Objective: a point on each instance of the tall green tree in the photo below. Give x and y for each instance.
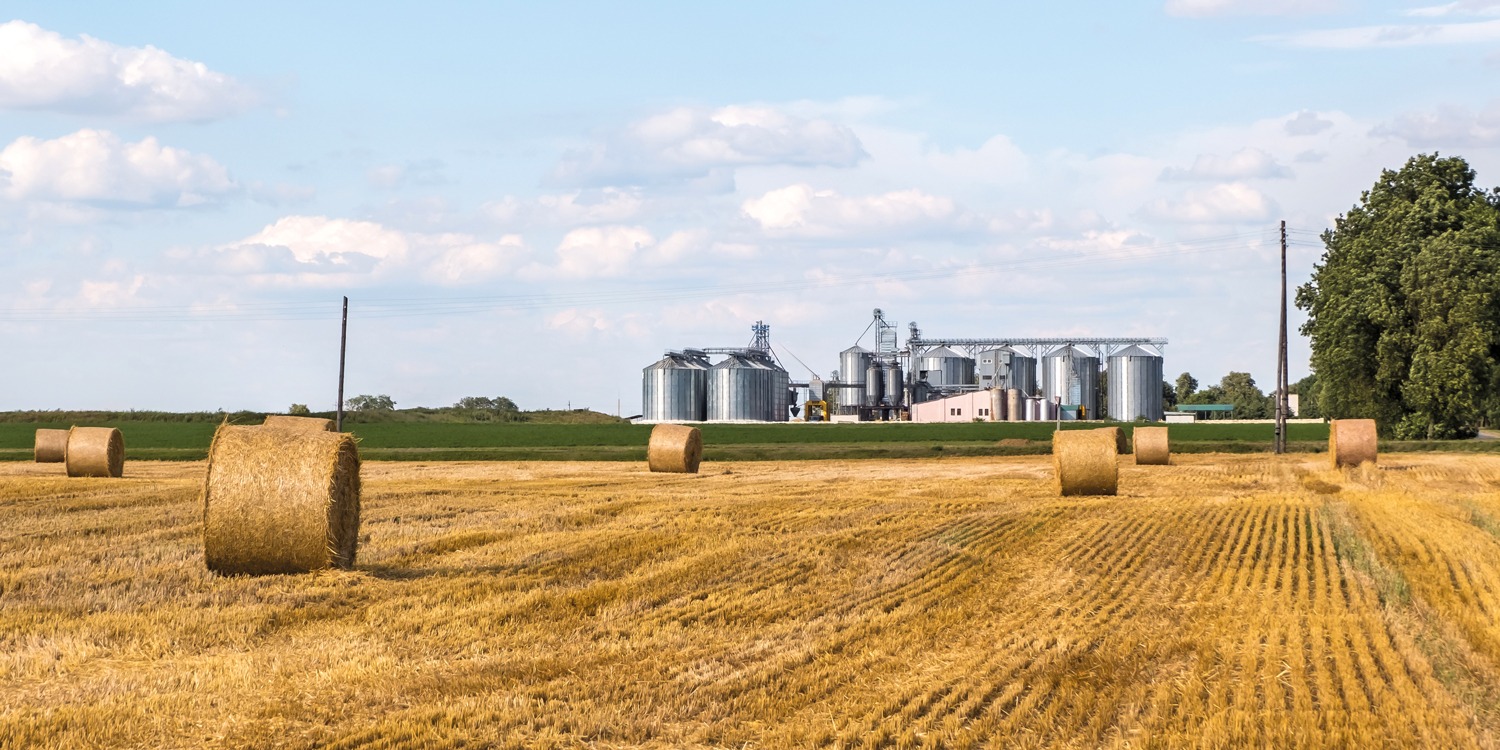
(1187, 385)
(1403, 311)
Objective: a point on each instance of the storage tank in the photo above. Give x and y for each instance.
(1006, 368)
(1069, 373)
(874, 384)
(1135, 379)
(781, 396)
(945, 367)
(853, 362)
(739, 388)
(675, 389)
(895, 385)
(1015, 405)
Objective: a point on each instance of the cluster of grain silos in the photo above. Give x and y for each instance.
(1064, 384)
(747, 385)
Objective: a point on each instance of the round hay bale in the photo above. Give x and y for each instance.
(675, 448)
(51, 446)
(1084, 461)
(1152, 448)
(1352, 442)
(280, 501)
(303, 424)
(1122, 445)
(95, 452)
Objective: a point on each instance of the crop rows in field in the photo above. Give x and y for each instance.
(1220, 602)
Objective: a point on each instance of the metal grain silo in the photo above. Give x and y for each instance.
(1022, 374)
(738, 390)
(1074, 376)
(781, 397)
(895, 385)
(945, 367)
(874, 384)
(1135, 385)
(675, 389)
(853, 362)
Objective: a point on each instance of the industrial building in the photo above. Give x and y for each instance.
(927, 379)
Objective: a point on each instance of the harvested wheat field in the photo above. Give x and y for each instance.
(1224, 601)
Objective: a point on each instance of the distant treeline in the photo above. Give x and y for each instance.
(445, 414)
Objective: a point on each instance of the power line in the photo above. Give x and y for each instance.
(376, 307)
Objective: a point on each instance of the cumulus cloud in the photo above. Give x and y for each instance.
(695, 144)
(1230, 203)
(799, 210)
(601, 251)
(1307, 123)
(318, 250)
(1447, 127)
(42, 70)
(1205, 8)
(97, 167)
(1394, 35)
(1247, 163)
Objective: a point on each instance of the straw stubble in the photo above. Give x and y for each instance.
(280, 501)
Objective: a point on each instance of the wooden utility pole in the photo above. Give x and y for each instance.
(1281, 369)
(338, 423)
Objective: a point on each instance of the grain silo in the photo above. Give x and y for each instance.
(945, 368)
(1135, 384)
(1072, 376)
(675, 389)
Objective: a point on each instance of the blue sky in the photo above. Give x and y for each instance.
(536, 200)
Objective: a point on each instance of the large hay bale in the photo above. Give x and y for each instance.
(95, 452)
(675, 448)
(1085, 462)
(51, 446)
(303, 424)
(1152, 448)
(1122, 445)
(1352, 442)
(280, 501)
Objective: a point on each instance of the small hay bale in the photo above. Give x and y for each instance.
(1352, 442)
(1085, 462)
(95, 452)
(1122, 445)
(51, 446)
(301, 424)
(280, 501)
(675, 448)
(1152, 448)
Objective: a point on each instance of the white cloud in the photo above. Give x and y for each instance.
(606, 206)
(799, 210)
(1307, 123)
(424, 173)
(1247, 163)
(601, 251)
(42, 70)
(1388, 36)
(317, 250)
(1230, 203)
(1205, 8)
(696, 144)
(97, 167)
(1448, 127)
(1462, 7)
